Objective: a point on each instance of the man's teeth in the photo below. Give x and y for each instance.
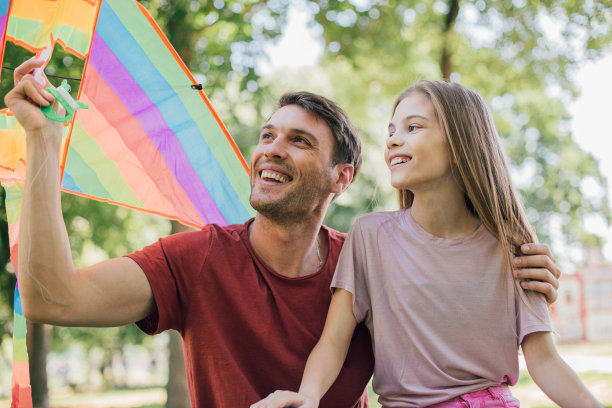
(272, 175)
(397, 160)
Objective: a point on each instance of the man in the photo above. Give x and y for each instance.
(249, 300)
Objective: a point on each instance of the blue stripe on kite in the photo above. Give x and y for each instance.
(17, 302)
(161, 93)
(4, 6)
(68, 183)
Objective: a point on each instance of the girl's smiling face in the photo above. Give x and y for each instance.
(417, 151)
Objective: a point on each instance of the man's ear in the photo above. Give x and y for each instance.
(342, 177)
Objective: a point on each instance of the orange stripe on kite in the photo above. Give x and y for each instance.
(196, 225)
(52, 14)
(112, 144)
(117, 114)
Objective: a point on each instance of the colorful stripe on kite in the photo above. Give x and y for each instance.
(13, 152)
(69, 22)
(150, 141)
(4, 9)
(20, 381)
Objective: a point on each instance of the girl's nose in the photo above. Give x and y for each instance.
(394, 140)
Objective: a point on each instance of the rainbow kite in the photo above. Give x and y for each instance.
(149, 140)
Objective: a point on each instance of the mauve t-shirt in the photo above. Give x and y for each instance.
(443, 314)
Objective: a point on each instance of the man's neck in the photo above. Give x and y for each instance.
(290, 250)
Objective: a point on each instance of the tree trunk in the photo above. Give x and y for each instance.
(446, 66)
(38, 342)
(176, 389)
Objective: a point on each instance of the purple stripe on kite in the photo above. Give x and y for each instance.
(138, 103)
(2, 28)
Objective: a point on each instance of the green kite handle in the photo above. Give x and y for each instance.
(61, 94)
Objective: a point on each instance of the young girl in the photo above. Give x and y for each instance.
(433, 281)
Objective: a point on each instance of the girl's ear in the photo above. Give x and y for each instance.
(342, 177)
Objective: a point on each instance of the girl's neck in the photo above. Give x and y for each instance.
(444, 215)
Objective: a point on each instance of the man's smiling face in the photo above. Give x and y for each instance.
(291, 167)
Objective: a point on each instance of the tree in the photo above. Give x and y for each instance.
(177, 391)
(519, 56)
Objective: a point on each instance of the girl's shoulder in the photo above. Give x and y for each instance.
(382, 219)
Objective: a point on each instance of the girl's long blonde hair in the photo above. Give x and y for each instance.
(477, 162)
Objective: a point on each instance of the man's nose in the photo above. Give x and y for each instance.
(277, 149)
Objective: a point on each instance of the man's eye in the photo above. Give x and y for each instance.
(266, 136)
(301, 140)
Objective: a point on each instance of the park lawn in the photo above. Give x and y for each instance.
(600, 384)
(525, 390)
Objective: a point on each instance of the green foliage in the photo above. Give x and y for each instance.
(62, 64)
(520, 59)
(7, 278)
(98, 231)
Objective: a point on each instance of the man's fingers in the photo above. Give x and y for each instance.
(541, 249)
(282, 399)
(537, 261)
(26, 68)
(546, 288)
(538, 274)
(36, 93)
(30, 90)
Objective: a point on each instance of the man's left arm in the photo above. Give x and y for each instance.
(537, 270)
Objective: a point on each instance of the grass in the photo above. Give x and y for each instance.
(600, 384)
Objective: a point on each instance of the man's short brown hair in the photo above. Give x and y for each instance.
(347, 146)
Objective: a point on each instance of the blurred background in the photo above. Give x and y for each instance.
(543, 67)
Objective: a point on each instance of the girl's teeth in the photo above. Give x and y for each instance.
(397, 160)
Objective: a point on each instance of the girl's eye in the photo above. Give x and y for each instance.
(266, 136)
(412, 128)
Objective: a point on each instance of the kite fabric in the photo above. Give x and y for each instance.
(4, 6)
(149, 141)
(20, 382)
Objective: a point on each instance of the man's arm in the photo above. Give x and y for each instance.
(537, 270)
(113, 292)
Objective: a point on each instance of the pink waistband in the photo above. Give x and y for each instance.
(461, 400)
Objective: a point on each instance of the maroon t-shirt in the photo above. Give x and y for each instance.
(247, 330)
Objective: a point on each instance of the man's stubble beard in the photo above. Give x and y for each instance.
(298, 204)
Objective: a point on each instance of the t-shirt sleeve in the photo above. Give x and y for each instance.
(533, 313)
(164, 264)
(350, 272)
